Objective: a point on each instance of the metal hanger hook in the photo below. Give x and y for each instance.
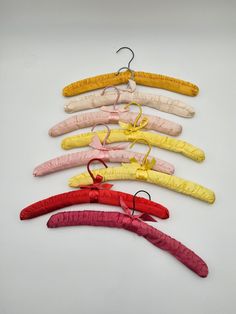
(130, 51)
(118, 94)
(131, 71)
(135, 197)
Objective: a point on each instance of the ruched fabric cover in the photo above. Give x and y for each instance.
(134, 171)
(127, 222)
(141, 78)
(161, 103)
(102, 196)
(89, 119)
(82, 158)
(117, 135)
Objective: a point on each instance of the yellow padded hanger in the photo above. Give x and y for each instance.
(132, 132)
(143, 172)
(141, 78)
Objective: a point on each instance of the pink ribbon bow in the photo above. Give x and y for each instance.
(143, 216)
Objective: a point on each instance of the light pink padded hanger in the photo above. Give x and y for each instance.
(114, 115)
(161, 103)
(109, 153)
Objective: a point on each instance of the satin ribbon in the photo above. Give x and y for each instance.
(113, 113)
(141, 169)
(130, 128)
(96, 143)
(131, 86)
(143, 216)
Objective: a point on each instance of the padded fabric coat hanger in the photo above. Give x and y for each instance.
(141, 78)
(97, 192)
(142, 172)
(161, 103)
(134, 224)
(103, 151)
(130, 133)
(114, 116)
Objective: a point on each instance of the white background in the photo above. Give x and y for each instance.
(44, 46)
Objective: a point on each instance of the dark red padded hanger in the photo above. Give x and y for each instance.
(134, 224)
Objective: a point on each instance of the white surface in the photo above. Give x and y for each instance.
(46, 45)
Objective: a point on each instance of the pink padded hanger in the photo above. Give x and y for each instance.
(161, 103)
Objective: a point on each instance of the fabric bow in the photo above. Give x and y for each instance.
(142, 169)
(143, 216)
(130, 128)
(147, 165)
(97, 184)
(96, 144)
(131, 86)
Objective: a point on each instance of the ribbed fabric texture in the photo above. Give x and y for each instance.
(158, 102)
(108, 197)
(117, 135)
(119, 220)
(141, 78)
(85, 120)
(82, 158)
(134, 171)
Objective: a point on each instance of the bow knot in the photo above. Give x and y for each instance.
(147, 165)
(131, 128)
(142, 169)
(143, 216)
(97, 184)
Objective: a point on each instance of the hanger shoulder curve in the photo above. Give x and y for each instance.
(86, 120)
(111, 197)
(67, 161)
(77, 159)
(118, 135)
(126, 172)
(132, 224)
(141, 78)
(158, 102)
(95, 82)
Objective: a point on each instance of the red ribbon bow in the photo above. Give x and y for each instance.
(97, 185)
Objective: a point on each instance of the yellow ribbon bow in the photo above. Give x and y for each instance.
(142, 169)
(130, 128)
